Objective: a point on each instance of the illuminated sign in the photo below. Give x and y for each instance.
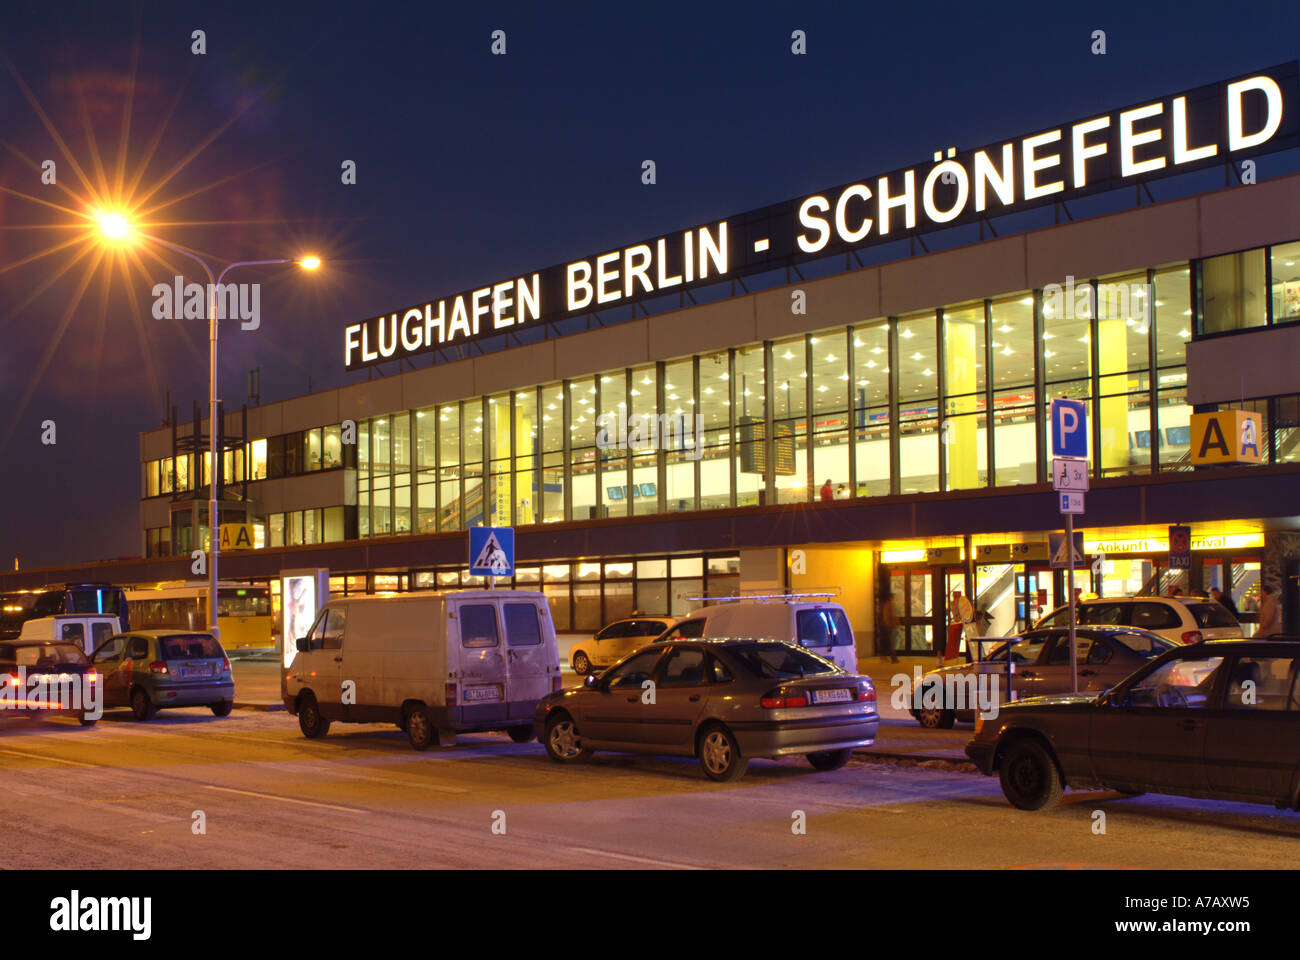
(302, 594)
(1221, 122)
(1227, 436)
(237, 536)
(1221, 541)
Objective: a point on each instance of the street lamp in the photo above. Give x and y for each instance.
(117, 228)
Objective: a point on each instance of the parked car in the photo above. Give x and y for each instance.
(820, 626)
(1040, 662)
(148, 670)
(724, 701)
(433, 663)
(615, 641)
(1217, 719)
(44, 678)
(86, 630)
(1180, 619)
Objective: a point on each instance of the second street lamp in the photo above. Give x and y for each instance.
(117, 228)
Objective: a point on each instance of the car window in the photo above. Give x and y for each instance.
(1155, 616)
(843, 636)
(1061, 649)
(690, 630)
(99, 632)
(1261, 683)
(523, 627)
(1183, 683)
(717, 671)
(1211, 615)
(1023, 650)
(685, 668)
(612, 631)
(73, 633)
(316, 635)
(1103, 614)
(189, 647)
(139, 648)
(48, 655)
(478, 625)
(780, 660)
(110, 650)
(646, 628)
(1145, 645)
(634, 671)
(331, 632)
(814, 628)
(1058, 618)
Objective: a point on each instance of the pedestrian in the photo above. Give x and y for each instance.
(889, 626)
(1175, 591)
(1225, 600)
(1270, 612)
(826, 492)
(960, 614)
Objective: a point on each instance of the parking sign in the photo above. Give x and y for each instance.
(1069, 428)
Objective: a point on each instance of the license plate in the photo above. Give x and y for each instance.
(831, 696)
(197, 671)
(479, 694)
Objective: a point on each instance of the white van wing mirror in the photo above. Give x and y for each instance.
(303, 645)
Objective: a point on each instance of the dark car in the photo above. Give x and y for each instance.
(150, 669)
(1217, 719)
(48, 678)
(1040, 665)
(724, 701)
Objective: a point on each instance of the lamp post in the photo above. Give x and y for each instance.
(115, 227)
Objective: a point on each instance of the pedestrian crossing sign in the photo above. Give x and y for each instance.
(492, 551)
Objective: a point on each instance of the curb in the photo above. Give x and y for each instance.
(266, 707)
(962, 762)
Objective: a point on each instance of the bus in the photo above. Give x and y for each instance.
(19, 606)
(243, 612)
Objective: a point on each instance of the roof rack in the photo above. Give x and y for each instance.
(736, 598)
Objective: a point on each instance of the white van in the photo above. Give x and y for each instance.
(433, 663)
(86, 630)
(820, 626)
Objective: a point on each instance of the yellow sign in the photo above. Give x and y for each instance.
(1217, 541)
(1227, 436)
(237, 536)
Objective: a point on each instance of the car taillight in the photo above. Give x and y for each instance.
(157, 667)
(867, 692)
(225, 665)
(92, 677)
(451, 694)
(781, 698)
(10, 678)
(1191, 636)
(556, 684)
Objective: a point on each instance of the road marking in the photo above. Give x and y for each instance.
(271, 796)
(624, 856)
(41, 756)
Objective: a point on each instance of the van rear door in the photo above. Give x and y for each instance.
(825, 632)
(482, 694)
(528, 677)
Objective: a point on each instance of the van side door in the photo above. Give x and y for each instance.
(528, 677)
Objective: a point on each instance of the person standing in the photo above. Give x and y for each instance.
(826, 492)
(1225, 600)
(960, 613)
(889, 626)
(1270, 612)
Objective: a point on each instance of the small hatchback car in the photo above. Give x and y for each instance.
(724, 701)
(150, 669)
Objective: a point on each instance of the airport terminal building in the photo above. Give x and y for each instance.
(754, 404)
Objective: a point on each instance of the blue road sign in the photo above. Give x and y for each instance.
(1058, 552)
(1180, 548)
(492, 551)
(1069, 428)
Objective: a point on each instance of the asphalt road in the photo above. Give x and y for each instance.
(128, 793)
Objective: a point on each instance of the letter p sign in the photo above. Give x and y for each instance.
(1069, 428)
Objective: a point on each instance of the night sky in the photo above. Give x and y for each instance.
(470, 168)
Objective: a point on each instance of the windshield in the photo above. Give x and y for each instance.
(1212, 615)
(1023, 650)
(780, 660)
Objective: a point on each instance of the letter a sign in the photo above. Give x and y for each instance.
(1227, 436)
(492, 551)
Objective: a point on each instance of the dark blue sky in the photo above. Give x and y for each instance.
(470, 167)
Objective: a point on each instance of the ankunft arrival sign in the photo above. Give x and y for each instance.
(1222, 122)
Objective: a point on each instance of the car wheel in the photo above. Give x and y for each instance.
(522, 734)
(563, 742)
(581, 664)
(221, 708)
(140, 705)
(829, 759)
(934, 718)
(720, 754)
(85, 721)
(313, 725)
(1030, 780)
(420, 729)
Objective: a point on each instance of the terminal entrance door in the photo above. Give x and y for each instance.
(913, 589)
